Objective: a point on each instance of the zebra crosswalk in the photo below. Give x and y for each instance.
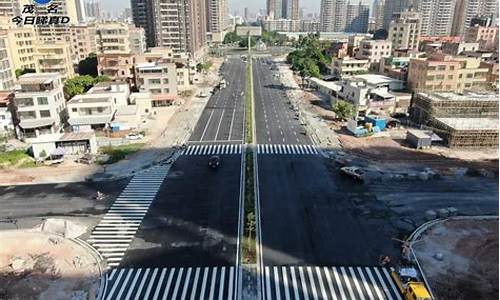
(114, 233)
(325, 283)
(287, 149)
(213, 149)
(188, 283)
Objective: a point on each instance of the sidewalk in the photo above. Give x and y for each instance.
(173, 127)
(311, 114)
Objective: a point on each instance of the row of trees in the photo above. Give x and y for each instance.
(309, 59)
(271, 38)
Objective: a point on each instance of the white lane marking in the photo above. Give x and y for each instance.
(221, 286)
(268, 284)
(339, 283)
(365, 283)
(304, 286)
(230, 289)
(115, 284)
(204, 284)
(186, 284)
(330, 284)
(277, 283)
(321, 285)
(285, 283)
(150, 285)
(124, 284)
(132, 285)
(212, 284)
(311, 280)
(177, 283)
(356, 283)
(294, 283)
(169, 282)
(141, 285)
(195, 283)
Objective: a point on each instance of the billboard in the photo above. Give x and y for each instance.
(252, 30)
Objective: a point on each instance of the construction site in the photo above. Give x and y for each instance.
(465, 120)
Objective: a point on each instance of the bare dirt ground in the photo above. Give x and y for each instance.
(389, 150)
(41, 265)
(469, 266)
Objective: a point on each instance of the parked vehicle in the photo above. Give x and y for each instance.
(202, 95)
(135, 136)
(353, 172)
(409, 284)
(214, 162)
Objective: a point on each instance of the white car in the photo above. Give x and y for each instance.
(354, 172)
(135, 136)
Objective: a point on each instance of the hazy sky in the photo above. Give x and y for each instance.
(253, 5)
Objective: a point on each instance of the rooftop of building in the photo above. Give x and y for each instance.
(465, 96)
(90, 98)
(38, 78)
(470, 123)
(376, 79)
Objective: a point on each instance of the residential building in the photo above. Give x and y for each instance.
(467, 119)
(12, 8)
(372, 93)
(348, 67)
(395, 67)
(117, 66)
(459, 48)
(404, 31)
(492, 76)
(436, 16)
(442, 72)
(378, 14)
(286, 25)
(158, 77)
(487, 37)
(181, 25)
(93, 9)
(337, 49)
(290, 9)
(82, 42)
(217, 18)
(466, 10)
(54, 57)
(357, 18)
(333, 15)
(53, 32)
(7, 71)
(21, 41)
(392, 7)
(141, 15)
(91, 112)
(373, 51)
(274, 9)
(40, 105)
(6, 122)
(137, 40)
(353, 42)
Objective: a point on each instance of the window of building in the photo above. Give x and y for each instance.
(439, 77)
(441, 68)
(74, 109)
(470, 75)
(27, 115)
(450, 76)
(430, 78)
(45, 114)
(23, 102)
(42, 100)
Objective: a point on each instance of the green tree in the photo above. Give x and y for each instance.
(343, 109)
(204, 66)
(244, 42)
(81, 84)
(231, 37)
(21, 72)
(88, 66)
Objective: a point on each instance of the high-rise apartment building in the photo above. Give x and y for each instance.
(274, 9)
(404, 32)
(142, 13)
(436, 16)
(12, 8)
(217, 18)
(357, 18)
(93, 9)
(392, 7)
(7, 74)
(22, 42)
(54, 57)
(378, 13)
(290, 9)
(466, 10)
(181, 25)
(340, 15)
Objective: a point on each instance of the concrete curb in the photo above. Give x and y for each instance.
(103, 285)
(416, 234)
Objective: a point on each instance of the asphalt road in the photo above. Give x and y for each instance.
(276, 120)
(223, 117)
(27, 206)
(311, 215)
(194, 218)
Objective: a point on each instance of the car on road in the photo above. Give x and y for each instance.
(353, 172)
(214, 162)
(202, 95)
(135, 136)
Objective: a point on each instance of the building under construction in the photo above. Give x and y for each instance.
(466, 120)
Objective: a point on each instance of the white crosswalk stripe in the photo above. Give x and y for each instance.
(186, 283)
(287, 149)
(213, 149)
(325, 283)
(114, 233)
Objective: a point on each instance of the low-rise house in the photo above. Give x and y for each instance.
(487, 37)
(348, 67)
(6, 122)
(156, 77)
(441, 72)
(40, 105)
(71, 143)
(374, 51)
(459, 48)
(148, 104)
(369, 93)
(492, 77)
(91, 112)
